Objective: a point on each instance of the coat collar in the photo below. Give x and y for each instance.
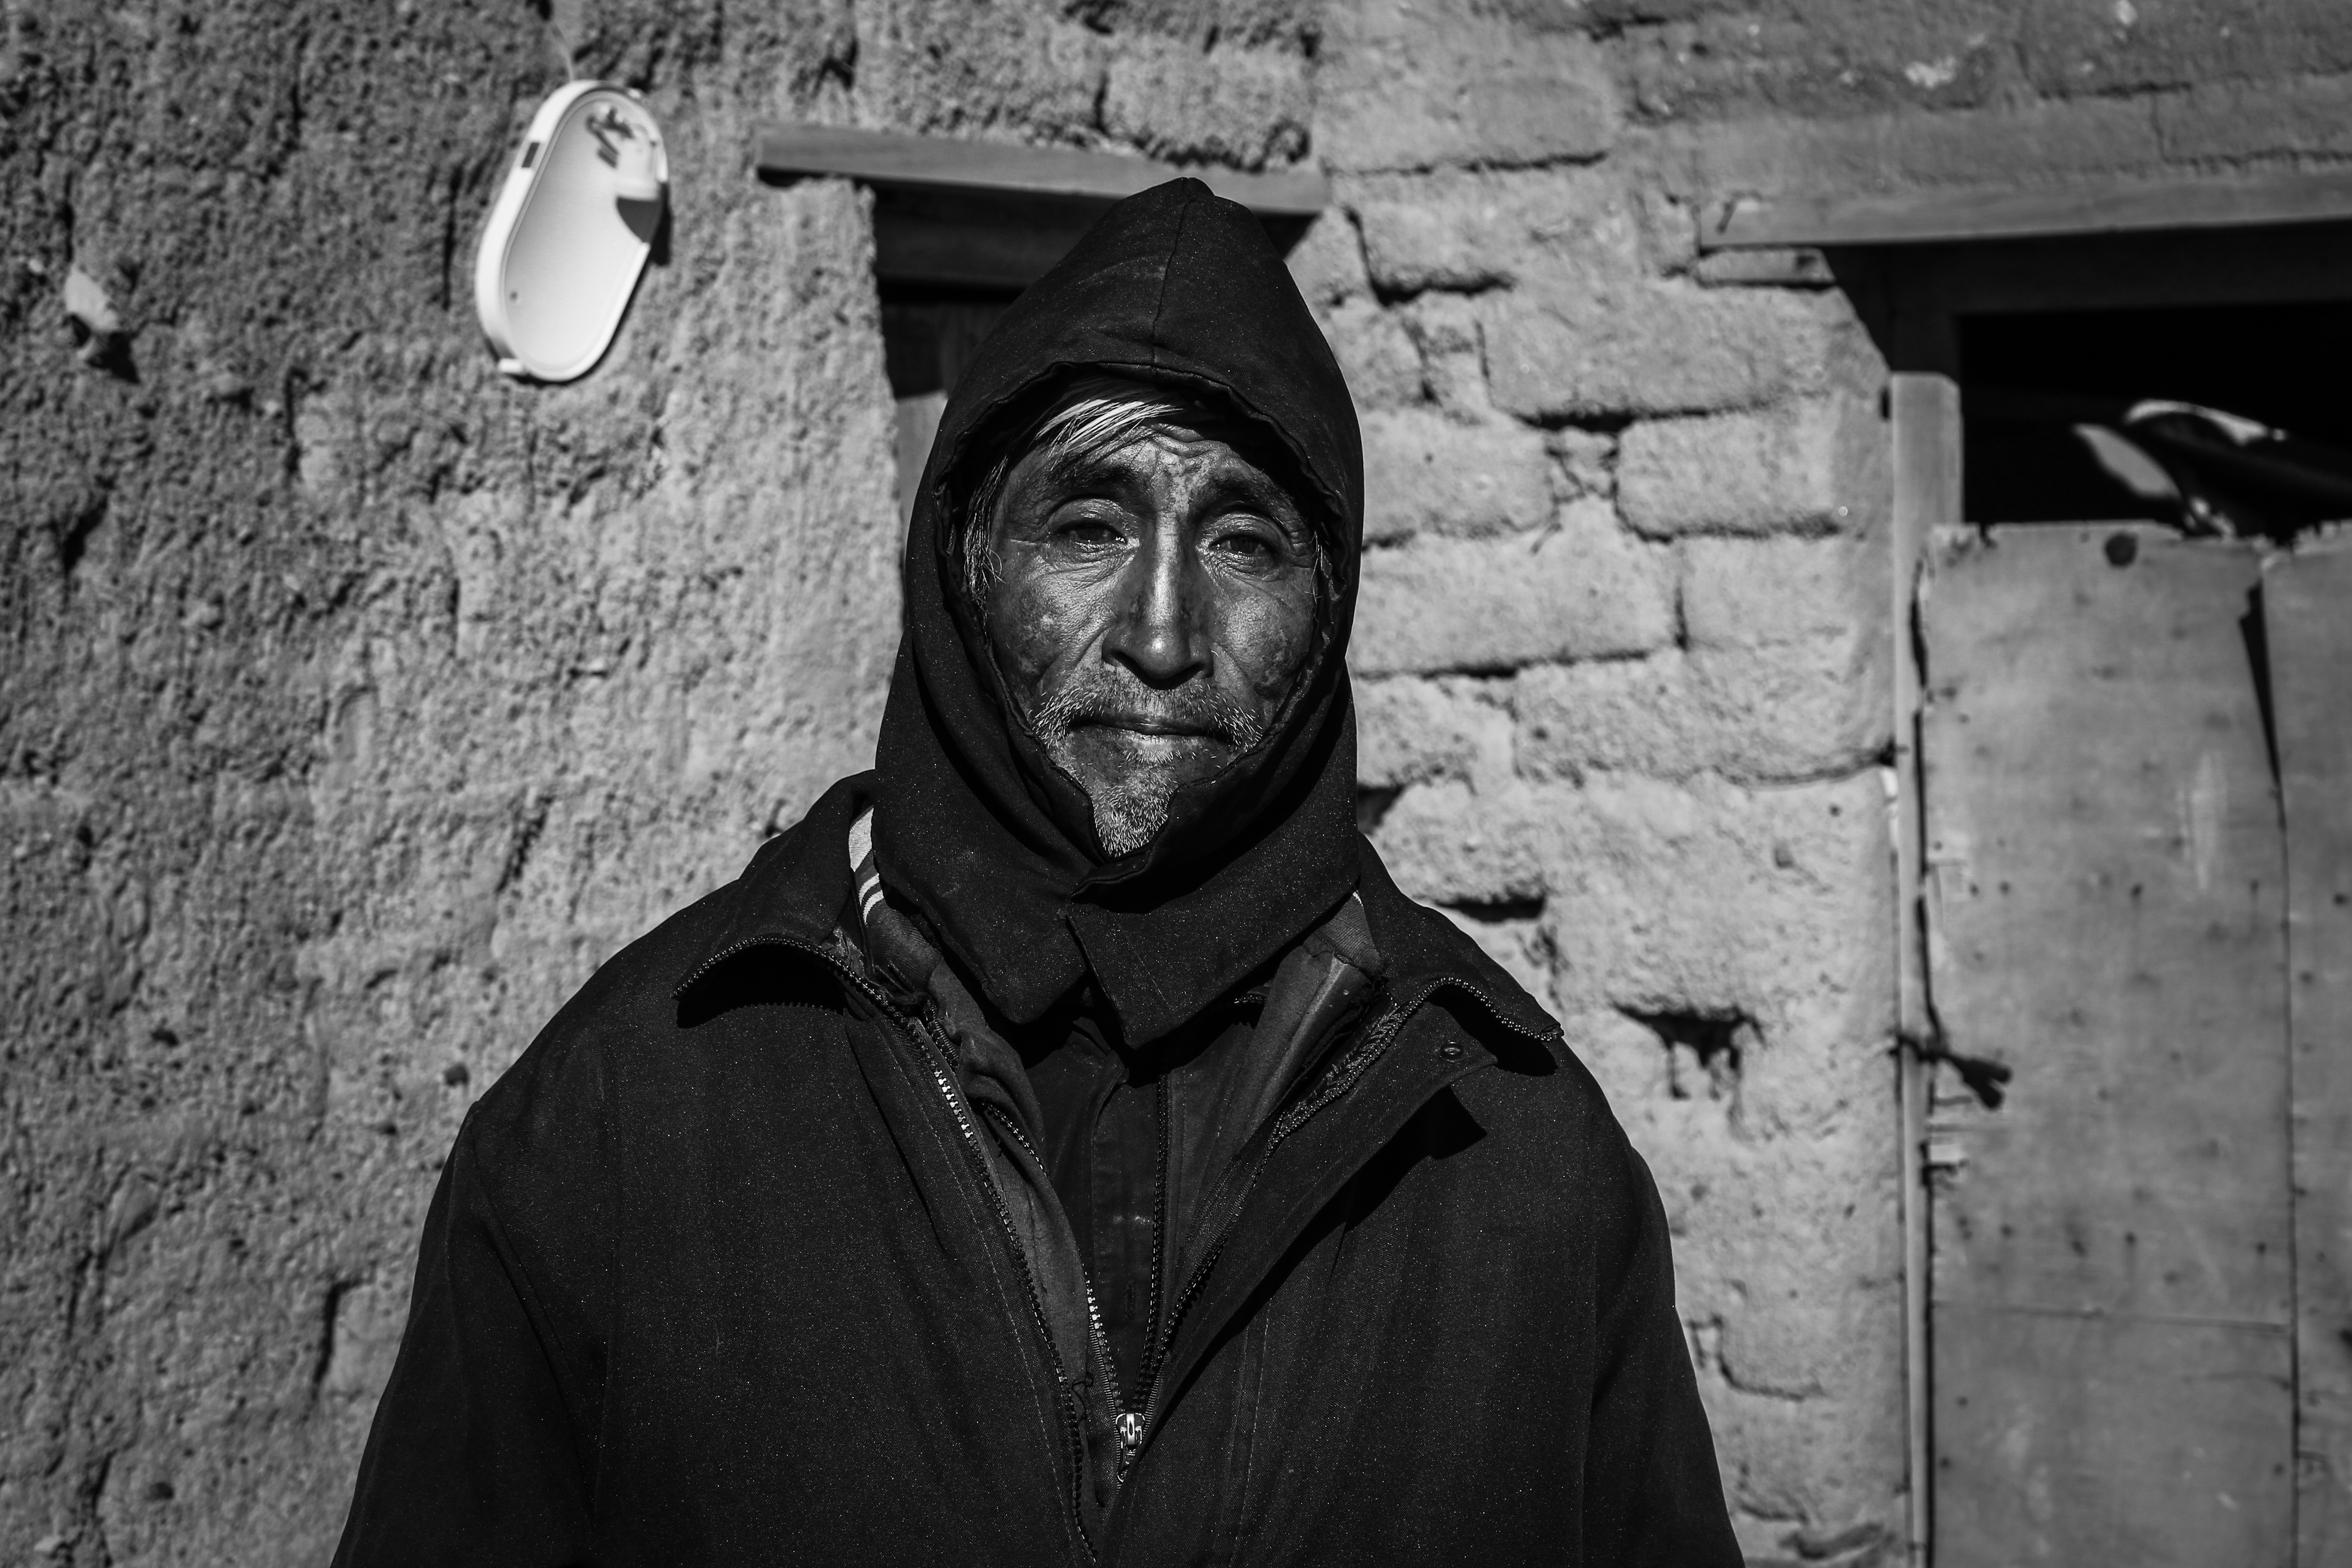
(797, 890)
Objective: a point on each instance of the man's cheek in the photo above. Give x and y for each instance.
(1266, 641)
(1039, 633)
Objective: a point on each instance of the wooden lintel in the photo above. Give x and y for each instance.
(892, 159)
(2112, 206)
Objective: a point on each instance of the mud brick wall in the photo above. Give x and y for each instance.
(355, 702)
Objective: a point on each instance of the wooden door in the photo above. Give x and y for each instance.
(2114, 1304)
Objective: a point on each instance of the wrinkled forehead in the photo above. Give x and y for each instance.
(1093, 416)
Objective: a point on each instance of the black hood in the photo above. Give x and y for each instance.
(1180, 288)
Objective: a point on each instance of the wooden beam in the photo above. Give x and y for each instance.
(2107, 206)
(1925, 416)
(2307, 613)
(891, 159)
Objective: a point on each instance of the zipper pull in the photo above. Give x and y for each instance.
(1129, 1427)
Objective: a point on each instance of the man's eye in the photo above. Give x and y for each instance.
(1091, 531)
(1254, 549)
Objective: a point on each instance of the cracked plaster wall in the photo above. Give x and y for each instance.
(356, 703)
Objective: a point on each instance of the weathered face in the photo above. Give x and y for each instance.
(1152, 607)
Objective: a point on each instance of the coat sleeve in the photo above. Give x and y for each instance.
(1652, 1494)
(474, 1456)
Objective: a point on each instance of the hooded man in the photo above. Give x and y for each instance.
(1065, 1144)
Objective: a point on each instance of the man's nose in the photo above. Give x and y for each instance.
(1158, 632)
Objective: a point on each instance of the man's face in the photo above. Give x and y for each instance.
(1152, 607)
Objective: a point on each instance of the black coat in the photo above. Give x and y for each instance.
(719, 1273)
(707, 1283)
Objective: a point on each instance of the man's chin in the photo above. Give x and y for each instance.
(1129, 778)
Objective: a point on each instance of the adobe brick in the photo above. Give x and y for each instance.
(1559, 353)
(1806, 710)
(1583, 590)
(1751, 593)
(1411, 729)
(1407, 85)
(1424, 473)
(1476, 231)
(1814, 465)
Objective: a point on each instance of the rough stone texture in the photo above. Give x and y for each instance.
(1813, 710)
(1607, 347)
(1582, 590)
(1479, 88)
(1797, 466)
(357, 702)
(1424, 473)
(1411, 729)
(1476, 230)
(1755, 593)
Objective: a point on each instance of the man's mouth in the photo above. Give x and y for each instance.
(1152, 724)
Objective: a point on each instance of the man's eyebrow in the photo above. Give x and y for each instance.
(1255, 486)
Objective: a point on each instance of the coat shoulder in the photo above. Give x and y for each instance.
(631, 1016)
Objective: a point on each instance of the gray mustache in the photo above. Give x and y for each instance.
(1104, 699)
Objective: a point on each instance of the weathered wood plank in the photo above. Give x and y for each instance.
(2010, 212)
(2307, 609)
(2107, 900)
(2174, 1454)
(1925, 411)
(942, 163)
(2106, 915)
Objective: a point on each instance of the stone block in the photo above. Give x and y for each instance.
(1175, 101)
(1745, 63)
(1737, 473)
(1805, 710)
(1584, 589)
(1419, 84)
(1447, 842)
(1811, 466)
(1452, 353)
(1706, 896)
(1588, 461)
(1557, 352)
(1327, 262)
(1424, 473)
(1471, 231)
(1748, 593)
(1409, 730)
(1660, 896)
(1376, 354)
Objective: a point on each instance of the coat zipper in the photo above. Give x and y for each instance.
(1336, 1083)
(924, 1035)
(1132, 1426)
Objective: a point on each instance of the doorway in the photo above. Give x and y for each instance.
(2125, 724)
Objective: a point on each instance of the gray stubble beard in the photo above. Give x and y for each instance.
(1129, 810)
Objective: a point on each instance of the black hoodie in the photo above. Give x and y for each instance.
(721, 1272)
(1179, 287)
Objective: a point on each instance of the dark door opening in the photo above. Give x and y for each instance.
(928, 333)
(2225, 420)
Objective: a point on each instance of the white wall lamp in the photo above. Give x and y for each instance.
(570, 232)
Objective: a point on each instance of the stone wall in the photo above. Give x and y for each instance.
(356, 703)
